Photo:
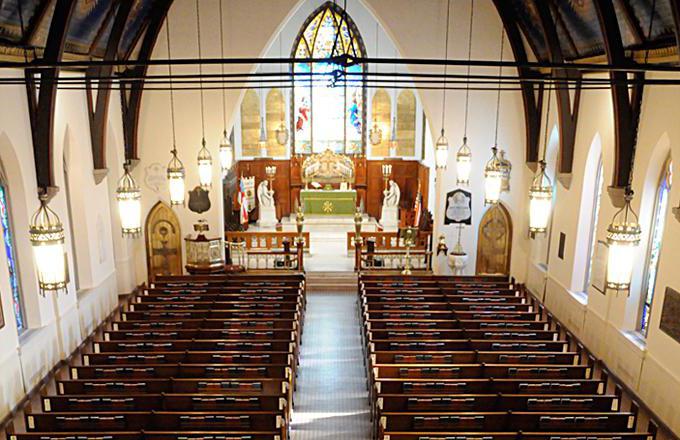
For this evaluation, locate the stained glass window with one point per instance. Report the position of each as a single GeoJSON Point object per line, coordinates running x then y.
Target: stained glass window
{"type": "Point", "coordinates": [8, 241]}
{"type": "Point", "coordinates": [658, 221]}
{"type": "Point", "coordinates": [381, 109]}
{"type": "Point", "coordinates": [250, 123]}
{"type": "Point", "coordinates": [406, 123]}
{"type": "Point", "coordinates": [597, 197]}
{"type": "Point", "coordinates": [328, 115]}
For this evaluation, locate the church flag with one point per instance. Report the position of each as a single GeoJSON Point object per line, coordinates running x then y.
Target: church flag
{"type": "Point", "coordinates": [243, 201]}
{"type": "Point", "coordinates": [417, 208]}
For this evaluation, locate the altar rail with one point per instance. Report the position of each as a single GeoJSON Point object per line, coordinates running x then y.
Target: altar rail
{"type": "Point", "coordinates": [264, 240]}
{"type": "Point", "coordinates": [385, 241]}
{"type": "Point", "coordinates": [420, 260]}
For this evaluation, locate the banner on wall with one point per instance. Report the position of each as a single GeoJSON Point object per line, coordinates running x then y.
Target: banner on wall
{"type": "Point", "coordinates": [458, 208]}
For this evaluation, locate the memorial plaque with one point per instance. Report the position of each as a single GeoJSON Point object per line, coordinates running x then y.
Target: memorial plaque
{"type": "Point", "coordinates": [458, 208]}
{"type": "Point", "coordinates": [670, 314]}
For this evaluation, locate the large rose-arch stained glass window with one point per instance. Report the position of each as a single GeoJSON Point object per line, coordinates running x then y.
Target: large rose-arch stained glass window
{"type": "Point", "coordinates": [324, 116]}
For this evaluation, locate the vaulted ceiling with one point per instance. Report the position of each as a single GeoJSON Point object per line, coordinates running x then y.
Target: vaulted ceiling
{"type": "Point", "coordinates": [25, 24]}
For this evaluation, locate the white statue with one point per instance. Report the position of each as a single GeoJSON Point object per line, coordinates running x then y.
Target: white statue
{"type": "Point", "coordinates": [392, 195]}
{"type": "Point", "coordinates": [389, 218]}
{"type": "Point", "coordinates": [266, 205]}
{"type": "Point", "coordinates": [265, 196]}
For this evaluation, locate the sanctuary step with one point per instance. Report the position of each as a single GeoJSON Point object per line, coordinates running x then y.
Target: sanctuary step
{"type": "Point", "coordinates": [324, 282]}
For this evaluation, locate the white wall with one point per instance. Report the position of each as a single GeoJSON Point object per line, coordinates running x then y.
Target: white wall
{"type": "Point", "coordinates": [57, 324]}
{"type": "Point", "coordinates": [607, 323]}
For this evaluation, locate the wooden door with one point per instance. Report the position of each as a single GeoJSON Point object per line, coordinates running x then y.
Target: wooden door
{"type": "Point", "coordinates": [163, 242]}
{"type": "Point", "coordinates": [494, 242]}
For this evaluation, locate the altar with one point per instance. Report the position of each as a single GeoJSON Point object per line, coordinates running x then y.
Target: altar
{"type": "Point", "coordinates": [328, 202]}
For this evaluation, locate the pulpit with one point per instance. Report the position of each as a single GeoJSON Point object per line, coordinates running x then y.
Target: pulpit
{"type": "Point", "coordinates": [204, 255]}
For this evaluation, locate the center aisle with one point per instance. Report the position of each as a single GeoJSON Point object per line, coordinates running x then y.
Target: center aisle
{"type": "Point", "coordinates": [331, 401]}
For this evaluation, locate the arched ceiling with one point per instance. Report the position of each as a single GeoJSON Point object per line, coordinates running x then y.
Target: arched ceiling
{"type": "Point", "coordinates": [25, 24]}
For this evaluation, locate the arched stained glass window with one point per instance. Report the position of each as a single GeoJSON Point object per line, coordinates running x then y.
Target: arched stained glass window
{"type": "Point", "coordinates": [652, 266]}
{"type": "Point", "coordinates": [275, 116]}
{"type": "Point", "coordinates": [595, 213]}
{"type": "Point", "coordinates": [406, 123]}
{"type": "Point", "coordinates": [250, 123]}
{"type": "Point", "coordinates": [10, 252]}
{"type": "Point", "coordinates": [328, 116]}
{"type": "Point", "coordinates": [381, 108]}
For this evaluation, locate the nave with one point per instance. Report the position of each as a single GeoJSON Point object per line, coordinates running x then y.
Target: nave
{"type": "Point", "coordinates": [284, 356]}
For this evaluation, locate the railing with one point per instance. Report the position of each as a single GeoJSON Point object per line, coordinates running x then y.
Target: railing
{"type": "Point", "coordinates": [287, 258]}
{"type": "Point", "coordinates": [264, 240]}
{"type": "Point", "coordinates": [418, 260]}
{"type": "Point", "coordinates": [389, 240]}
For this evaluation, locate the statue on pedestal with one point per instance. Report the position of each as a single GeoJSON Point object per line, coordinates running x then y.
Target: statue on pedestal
{"type": "Point", "coordinates": [389, 218]}
{"type": "Point", "coordinates": [266, 205]}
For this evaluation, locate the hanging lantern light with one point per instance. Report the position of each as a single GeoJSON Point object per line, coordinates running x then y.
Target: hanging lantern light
{"type": "Point", "coordinates": [226, 154]}
{"type": "Point", "coordinates": [176, 175]}
{"type": "Point", "coordinates": [375, 134]}
{"type": "Point", "coordinates": [441, 151]}
{"type": "Point", "coordinates": [540, 201]}
{"type": "Point", "coordinates": [47, 238]}
{"type": "Point", "coordinates": [441, 147]}
{"type": "Point", "coordinates": [493, 179]}
{"type": "Point", "coordinates": [393, 138]}
{"type": "Point", "coordinates": [129, 197]}
{"type": "Point", "coordinates": [263, 138]}
{"type": "Point", "coordinates": [282, 134]}
{"type": "Point", "coordinates": [463, 163]}
{"type": "Point", "coordinates": [204, 167]}
{"type": "Point", "coordinates": [623, 238]}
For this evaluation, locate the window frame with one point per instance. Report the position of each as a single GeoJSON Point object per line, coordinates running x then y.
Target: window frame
{"type": "Point", "coordinates": [663, 184]}
{"type": "Point", "coordinates": [17, 270]}
{"type": "Point", "coordinates": [594, 218]}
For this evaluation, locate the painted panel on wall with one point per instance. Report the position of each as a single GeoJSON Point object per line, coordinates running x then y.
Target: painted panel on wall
{"type": "Point", "coordinates": [670, 314]}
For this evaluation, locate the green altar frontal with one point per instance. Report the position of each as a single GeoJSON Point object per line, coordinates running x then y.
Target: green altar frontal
{"type": "Point", "coordinates": [328, 202]}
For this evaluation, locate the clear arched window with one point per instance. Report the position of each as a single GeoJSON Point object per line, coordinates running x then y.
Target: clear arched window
{"type": "Point", "coordinates": [381, 107]}
{"type": "Point", "coordinates": [327, 115]}
{"type": "Point", "coordinates": [406, 123]}
{"type": "Point", "coordinates": [250, 123]}
{"type": "Point", "coordinates": [10, 253]}
{"type": "Point", "coordinates": [654, 251]}
{"type": "Point", "coordinates": [597, 197]}
{"type": "Point", "coordinates": [275, 117]}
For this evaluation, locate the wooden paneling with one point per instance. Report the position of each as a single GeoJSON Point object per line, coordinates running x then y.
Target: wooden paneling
{"type": "Point", "coordinates": [369, 182]}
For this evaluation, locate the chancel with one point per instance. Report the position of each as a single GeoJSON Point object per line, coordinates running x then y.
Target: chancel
{"type": "Point", "coordinates": [339, 219]}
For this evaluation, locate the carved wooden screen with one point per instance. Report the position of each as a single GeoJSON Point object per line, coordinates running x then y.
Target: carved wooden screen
{"type": "Point", "coordinates": [163, 242]}
{"type": "Point", "coordinates": [494, 242]}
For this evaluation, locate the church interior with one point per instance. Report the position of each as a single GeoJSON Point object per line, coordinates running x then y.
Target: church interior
{"type": "Point", "coordinates": [339, 219]}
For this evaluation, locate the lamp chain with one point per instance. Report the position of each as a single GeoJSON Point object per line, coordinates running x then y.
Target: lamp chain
{"type": "Point", "coordinates": [467, 84]}
{"type": "Point", "coordinates": [500, 79]}
{"type": "Point", "coordinates": [224, 92]}
{"type": "Point", "coordinates": [446, 57]}
{"type": "Point", "coordinates": [172, 94]}
{"type": "Point", "coordinates": [200, 66]}
{"type": "Point", "coordinates": [547, 120]}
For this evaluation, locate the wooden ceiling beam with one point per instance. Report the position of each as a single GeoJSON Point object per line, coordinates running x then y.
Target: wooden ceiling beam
{"type": "Point", "coordinates": [98, 106]}
{"type": "Point", "coordinates": [41, 88]}
{"type": "Point", "coordinates": [131, 91]}
{"type": "Point", "coordinates": [627, 103]}
{"type": "Point", "coordinates": [567, 110]}
{"type": "Point", "coordinates": [532, 93]}
{"type": "Point", "coordinates": [102, 28]}
{"type": "Point", "coordinates": [633, 23]}
{"type": "Point", "coordinates": [675, 6]}
{"type": "Point", "coordinates": [35, 22]}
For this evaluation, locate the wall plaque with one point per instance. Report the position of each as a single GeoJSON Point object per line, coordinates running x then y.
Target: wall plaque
{"type": "Point", "coordinates": [670, 314]}
{"type": "Point", "coordinates": [458, 208]}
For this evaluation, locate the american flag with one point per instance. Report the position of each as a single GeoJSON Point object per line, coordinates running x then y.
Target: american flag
{"type": "Point", "coordinates": [243, 201]}
{"type": "Point", "coordinates": [417, 208]}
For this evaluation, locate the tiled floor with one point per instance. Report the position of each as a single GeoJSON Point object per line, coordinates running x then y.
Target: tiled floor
{"type": "Point", "coordinates": [331, 402]}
